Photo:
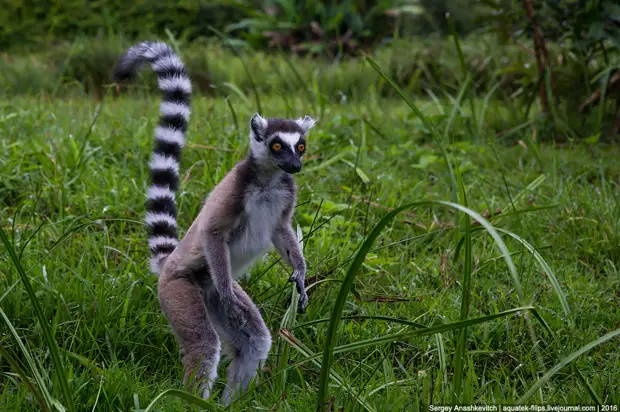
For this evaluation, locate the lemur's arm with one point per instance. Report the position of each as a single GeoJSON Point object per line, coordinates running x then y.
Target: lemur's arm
{"type": "Point", "coordinates": [219, 221]}
{"type": "Point", "coordinates": [288, 247]}
{"type": "Point", "coordinates": [218, 259]}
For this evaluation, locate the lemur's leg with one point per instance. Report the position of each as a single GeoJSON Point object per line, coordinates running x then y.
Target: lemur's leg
{"type": "Point", "coordinates": [248, 339]}
{"type": "Point", "coordinates": [183, 305]}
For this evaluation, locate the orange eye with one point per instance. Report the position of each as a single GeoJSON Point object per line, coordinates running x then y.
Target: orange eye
{"type": "Point", "coordinates": [301, 147]}
{"type": "Point", "coordinates": [276, 147]}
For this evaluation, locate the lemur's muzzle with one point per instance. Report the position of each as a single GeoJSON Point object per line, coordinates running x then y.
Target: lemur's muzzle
{"type": "Point", "coordinates": [291, 167]}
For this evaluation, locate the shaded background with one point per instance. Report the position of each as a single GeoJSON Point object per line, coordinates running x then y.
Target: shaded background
{"type": "Point", "coordinates": [554, 54]}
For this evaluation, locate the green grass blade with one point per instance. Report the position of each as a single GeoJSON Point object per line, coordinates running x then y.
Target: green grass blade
{"type": "Point", "coordinates": [546, 269]}
{"type": "Point", "coordinates": [363, 317]}
{"type": "Point", "coordinates": [186, 396]}
{"type": "Point", "coordinates": [305, 351]}
{"type": "Point", "coordinates": [558, 343]}
{"type": "Point", "coordinates": [123, 320]}
{"type": "Point", "coordinates": [44, 400]}
{"type": "Point", "coordinates": [597, 400]}
{"type": "Point", "coordinates": [485, 106]}
{"type": "Point", "coordinates": [250, 78]}
{"type": "Point", "coordinates": [238, 92]}
{"type": "Point", "coordinates": [52, 346]}
{"type": "Point", "coordinates": [456, 107]}
{"type": "Point", "coordinates": [529, 188]}
{"type": "Point", "coordinates": [288, 322]}
{"type": "Point", "coordinates": [328, 162]}
{"type": "Point", "coordinates": [233, 113]}
{"type": "Point", "coordinates": [370, 343]}
{"type": "Point", "coordinates": [447, 327]}
{"type": "Point", "coordinates": [443, 370]}
{"type": "Point", "coordinates": [340, 302]}
{"type": "Point", "coordinates": [427, 123]}
{"type": "Point", "coordinates": [564, 362]}
{"type": "Point", "coordinates": [461, 348]}
{"type": "Point", "coordinates": [464, 73]}
{"type": "Point", "coordinates": [347, 283]}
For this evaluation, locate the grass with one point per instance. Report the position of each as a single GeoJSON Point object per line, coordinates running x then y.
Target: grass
{"type": "Point", "coordinates": [481, 67]}
{"type": "Point", "coordinates": [517, 243]}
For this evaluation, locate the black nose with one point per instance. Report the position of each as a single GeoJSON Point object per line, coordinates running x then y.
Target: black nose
{"type": "Point", "coordinates": [291, 167]}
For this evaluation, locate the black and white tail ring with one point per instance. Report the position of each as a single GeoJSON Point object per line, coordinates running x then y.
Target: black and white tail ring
{"type": "Point", "coordinates": [176, 88]}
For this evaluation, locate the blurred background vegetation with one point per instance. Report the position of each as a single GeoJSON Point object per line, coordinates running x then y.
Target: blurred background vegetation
{"type": "Point", "coordinates": [555, 57]}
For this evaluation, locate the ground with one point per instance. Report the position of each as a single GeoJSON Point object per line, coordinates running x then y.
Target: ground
{"type": "Point", "coordinates": [72, 191]}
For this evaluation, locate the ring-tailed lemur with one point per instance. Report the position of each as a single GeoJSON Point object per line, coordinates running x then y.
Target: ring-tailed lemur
{"type": "Point", "coordinates": [246, 213]}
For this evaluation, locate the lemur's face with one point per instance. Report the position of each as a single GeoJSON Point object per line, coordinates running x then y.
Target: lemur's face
{"type": "Point", "coordinates": [286, 150]}
{"type": "Point", "coordinates": [280, 142]}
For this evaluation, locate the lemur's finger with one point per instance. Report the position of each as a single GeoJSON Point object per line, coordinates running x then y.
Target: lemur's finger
{"type": "Point", "coordinates": [303, 302]}
{"type": "Point", "coordinates": [300, 287]}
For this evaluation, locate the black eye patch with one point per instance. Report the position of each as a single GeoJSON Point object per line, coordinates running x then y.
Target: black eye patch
{"type": "Point", "coordinates": [277, 146]}
{"type": "Point", "coordinates": [301, 142]}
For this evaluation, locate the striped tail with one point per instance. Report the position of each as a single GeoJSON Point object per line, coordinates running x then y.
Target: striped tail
{"type": "Point", "coordinates": [175, 85]}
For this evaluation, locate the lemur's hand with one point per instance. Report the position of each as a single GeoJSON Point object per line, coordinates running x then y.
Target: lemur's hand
{"type": "Point", "coordinates": [299, 278]}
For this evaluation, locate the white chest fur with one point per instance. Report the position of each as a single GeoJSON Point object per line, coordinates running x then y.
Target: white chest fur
{"type": "Point", "coordinates": [252, 236]}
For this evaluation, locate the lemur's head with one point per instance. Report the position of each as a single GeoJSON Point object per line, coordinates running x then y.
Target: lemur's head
{"type": "Point", "coordinates": [279, 142]}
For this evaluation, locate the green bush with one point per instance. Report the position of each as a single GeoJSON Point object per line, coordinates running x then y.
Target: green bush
{"type": "Point", "coordinates": [309, 26]}
{"type": "Point", "coordinates": [317, 27]}
{"type": "Point", "coordinates": [32, 24]}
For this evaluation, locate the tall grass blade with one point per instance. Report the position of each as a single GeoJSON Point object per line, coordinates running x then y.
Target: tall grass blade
{"type": "Point", "coordinates": [301, 83]}
{"type": "Point", "coordinates": [529, 188]}
{"type": "Point", "coordinates": [546, 269]}
{"type": "Point", "coordinates": [428, 124]}
{"type": "Point", "coordinates": [456, 107]}
{"type": "Point", "coordinates": [186, 396]}
{"type": "Point", "coordinates": [564, 362]}
{"type": "Point", "coordinates": [443, 370]}
{"type": "Point", "coordinates": [461, 348]}
{"type": "Point", "coordinates": [245, 68]}
{"type": "Point", "coordinates": [288, 322]}
{"type": "Point", "coordinates": [403, 336]}
{"type": "Point", "coordinates": [80, 153]}
{"type": "Point", "coordinates": [558, 343]}
{"type": "Point", "coordinates": [123, 319]}
{"type": "Point", "coordinates": [364, 317]}
{"type": "Point", "coordinates": [44, 399]}
{"type": "Point", "coordinates": [52, 346]}
{"type": "Point", "coordinates": [597, 400]}
{"type": "Point", "coordinates": [464, 73]}
{"type": "Point", "coordinates": [63, 69]}
{"type": "Point", "coordinates": [485, 106]}
{"type": "Point", "coordinates": [238, 92]}
{"type": "Point", "coordinates": [448, 327]}
{"type": "Point", "coordinates": [347, 283]}
{"type": "Point", "coordinates": [233, 113]}
{"type": "Point", "coordinates": [305, 351]}
{"type": "Point", "coordinates": [173, 40]}
{"type": "Point", "coordinates": [328, 162]}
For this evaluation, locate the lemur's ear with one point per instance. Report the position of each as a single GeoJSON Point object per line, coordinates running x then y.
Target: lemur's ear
{"type": "Point", "coordinates": [258, 127]}
{"type": "Point", "coordinates": [306, 123]}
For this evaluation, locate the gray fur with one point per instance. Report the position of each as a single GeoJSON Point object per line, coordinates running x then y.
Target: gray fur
{"type": "Point", "coordinates": [247, 213]}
